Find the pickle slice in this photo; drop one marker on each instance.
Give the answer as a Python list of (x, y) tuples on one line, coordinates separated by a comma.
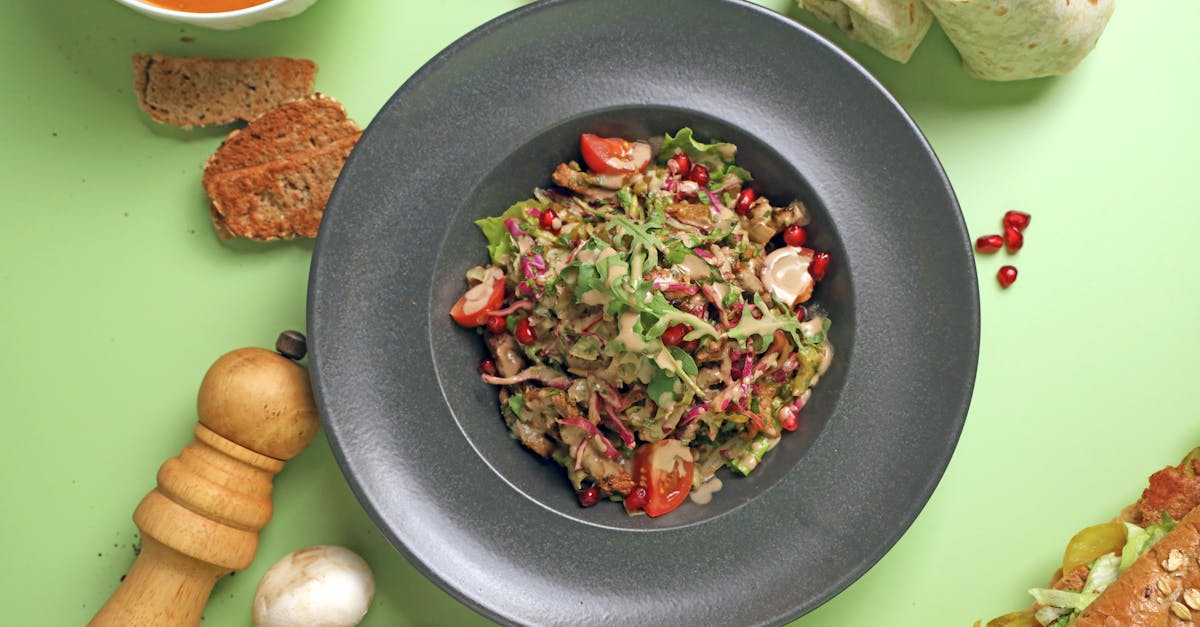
[(1091, 543)]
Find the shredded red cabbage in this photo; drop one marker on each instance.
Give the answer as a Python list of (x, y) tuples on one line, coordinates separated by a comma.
[(610, 451)]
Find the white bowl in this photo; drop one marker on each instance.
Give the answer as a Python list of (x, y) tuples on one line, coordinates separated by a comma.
[(228, 20)]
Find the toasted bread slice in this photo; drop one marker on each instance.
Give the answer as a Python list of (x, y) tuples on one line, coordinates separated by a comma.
[(292, 127), (284, 198), (198, 91)]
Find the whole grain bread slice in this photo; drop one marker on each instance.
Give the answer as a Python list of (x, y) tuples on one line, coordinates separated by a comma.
[(296, 126), (198, 91), (284, 198)]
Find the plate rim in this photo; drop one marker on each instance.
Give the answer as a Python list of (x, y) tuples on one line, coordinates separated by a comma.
[(973, 316)]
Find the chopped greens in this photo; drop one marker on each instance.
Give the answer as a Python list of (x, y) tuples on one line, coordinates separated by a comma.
[(635, 312)]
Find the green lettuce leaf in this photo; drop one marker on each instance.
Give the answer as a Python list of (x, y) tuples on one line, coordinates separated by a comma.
[(712, 156), (718, 157), (1139, 540), (500, 241)]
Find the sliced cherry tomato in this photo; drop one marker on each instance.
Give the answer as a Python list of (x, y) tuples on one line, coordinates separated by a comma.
[(612, 155), (664, 469), (472, 309)]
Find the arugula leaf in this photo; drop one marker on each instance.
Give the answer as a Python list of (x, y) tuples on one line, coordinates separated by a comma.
[(587, 280), (516, 403), (689, 364), (636, 232), (676, 252), (668, 315), (766, 326), (662, 383)]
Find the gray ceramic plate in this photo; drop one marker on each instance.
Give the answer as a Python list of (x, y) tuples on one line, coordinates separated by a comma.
[(418, 434)]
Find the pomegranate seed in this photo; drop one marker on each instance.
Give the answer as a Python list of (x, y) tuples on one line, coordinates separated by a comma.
[(674, 334), (589, 497), (789, 418), (795, 235), (679, 164), (744, 200), (1013, 240), (636, 499), (801, 313), (487, 366), (989, 243), (699, 175), (497, 324), (546, 220), (1006, 276), (689, 346), (524, 332), (819, 266), (1016, 219)]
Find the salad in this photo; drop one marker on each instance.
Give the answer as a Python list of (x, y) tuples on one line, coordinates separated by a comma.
[(648, 319)]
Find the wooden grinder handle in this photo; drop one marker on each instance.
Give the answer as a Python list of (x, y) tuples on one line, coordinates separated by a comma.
[(202, 520)]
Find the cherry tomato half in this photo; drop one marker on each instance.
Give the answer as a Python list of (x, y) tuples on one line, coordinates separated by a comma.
[(664, 469), (612, 155), (472, 309)]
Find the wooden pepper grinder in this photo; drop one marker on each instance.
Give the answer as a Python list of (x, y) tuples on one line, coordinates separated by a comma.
[(201, 522)]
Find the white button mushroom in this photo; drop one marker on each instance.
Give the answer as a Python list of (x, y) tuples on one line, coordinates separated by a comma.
[(321, 586), (785, 274)]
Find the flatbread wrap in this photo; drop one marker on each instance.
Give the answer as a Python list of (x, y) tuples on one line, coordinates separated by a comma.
[(1008, 40), (893, 27)]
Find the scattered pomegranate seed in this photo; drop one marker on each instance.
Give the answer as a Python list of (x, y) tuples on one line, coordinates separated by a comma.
[(547, 221), (1016, 219), (679, 164), (989, 243), (636, 499), (819, 266), (497, 324), (689, 346), (487, 366), (524, 332), (801, 313), (589, 497), (1013, 239), (1006, 276), (674, 334), (699, 175), (795, 235), (744, 200)]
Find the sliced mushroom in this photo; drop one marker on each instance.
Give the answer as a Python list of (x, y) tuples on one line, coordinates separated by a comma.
[(785, 275)]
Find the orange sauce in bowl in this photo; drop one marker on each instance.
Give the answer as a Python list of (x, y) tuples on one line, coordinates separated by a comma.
[(205, 6)]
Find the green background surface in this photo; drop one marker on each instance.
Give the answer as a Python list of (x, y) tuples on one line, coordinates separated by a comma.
[(116, 295)]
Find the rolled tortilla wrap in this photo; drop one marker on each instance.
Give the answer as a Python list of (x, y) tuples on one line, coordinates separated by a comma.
[(893, 27), (1007, 40)]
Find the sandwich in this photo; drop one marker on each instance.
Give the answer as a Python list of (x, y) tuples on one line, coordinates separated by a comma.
[(1140, 569)]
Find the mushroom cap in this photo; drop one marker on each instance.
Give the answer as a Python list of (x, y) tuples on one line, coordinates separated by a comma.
[(320, 586), (260, 400)]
